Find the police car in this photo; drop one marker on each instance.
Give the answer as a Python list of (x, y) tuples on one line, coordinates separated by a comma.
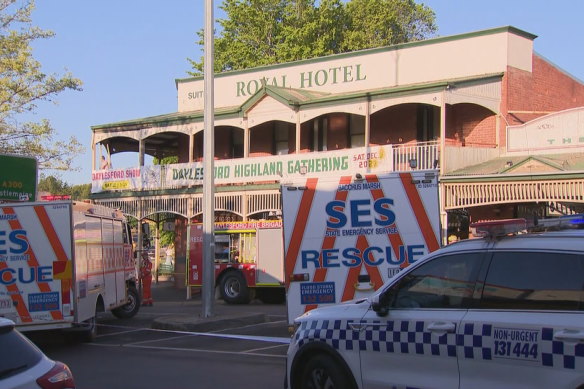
[(503, 311)]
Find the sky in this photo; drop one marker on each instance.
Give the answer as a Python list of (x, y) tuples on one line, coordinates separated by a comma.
[(128, 53)]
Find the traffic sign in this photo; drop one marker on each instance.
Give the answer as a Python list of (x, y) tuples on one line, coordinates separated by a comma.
[(18, 178)]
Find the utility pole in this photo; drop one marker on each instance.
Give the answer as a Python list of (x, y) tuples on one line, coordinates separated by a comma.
[(208, 167)]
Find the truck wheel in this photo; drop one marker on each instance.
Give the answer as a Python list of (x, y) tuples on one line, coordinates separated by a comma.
[(131, 308), (320, 372), (234, 289), (89, 333)]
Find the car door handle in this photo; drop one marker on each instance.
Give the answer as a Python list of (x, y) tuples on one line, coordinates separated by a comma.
[(442, 326), (359, 326), (569, 336), (363, 326)]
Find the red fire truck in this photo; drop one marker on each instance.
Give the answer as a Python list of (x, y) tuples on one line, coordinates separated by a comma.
[(248, 261)]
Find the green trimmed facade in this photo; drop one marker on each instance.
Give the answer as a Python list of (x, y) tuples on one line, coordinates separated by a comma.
[(462, 104)]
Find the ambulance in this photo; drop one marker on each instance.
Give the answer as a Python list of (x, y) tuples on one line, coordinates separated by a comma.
[(62, 262), (248, 260), (344, 237)]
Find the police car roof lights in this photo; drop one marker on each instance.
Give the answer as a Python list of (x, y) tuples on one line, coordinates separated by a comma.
[(498, 228), (560, 223)]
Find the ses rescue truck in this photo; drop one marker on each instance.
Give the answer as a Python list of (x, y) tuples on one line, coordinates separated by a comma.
[(248, 260), (345, 236), (62, 262)]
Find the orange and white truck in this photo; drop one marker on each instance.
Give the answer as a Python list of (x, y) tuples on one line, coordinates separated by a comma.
[(248, 260), (62, 262), (345, 236)]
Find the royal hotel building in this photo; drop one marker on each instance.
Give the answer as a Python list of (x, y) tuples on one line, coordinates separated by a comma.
[(502, 124)]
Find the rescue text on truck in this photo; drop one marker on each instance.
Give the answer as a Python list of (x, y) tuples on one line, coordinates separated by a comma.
[(62, 262)]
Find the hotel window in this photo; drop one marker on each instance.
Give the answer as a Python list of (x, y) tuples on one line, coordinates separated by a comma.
[(357, 131), (237, 141), (281, 138), (427, 118), (319, 134)]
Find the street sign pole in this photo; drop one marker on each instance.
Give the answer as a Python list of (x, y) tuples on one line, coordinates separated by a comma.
[(208, 167)]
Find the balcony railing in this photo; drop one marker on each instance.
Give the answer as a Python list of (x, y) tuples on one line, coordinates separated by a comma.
[(363, 160), (418, 156)]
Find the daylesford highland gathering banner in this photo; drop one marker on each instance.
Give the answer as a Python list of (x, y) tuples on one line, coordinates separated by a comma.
[(363, 160)]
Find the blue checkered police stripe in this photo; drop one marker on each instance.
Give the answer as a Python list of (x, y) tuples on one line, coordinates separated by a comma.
[(404, 337), (471, 341), (475, 341), (560, 354)]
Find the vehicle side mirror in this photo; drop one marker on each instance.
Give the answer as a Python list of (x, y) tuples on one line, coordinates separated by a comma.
[(381, 302)]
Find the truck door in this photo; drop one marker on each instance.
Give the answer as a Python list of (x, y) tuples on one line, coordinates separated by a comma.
[(118, 263), (95, 275), (107, 244), (82, 267), (270, 261)]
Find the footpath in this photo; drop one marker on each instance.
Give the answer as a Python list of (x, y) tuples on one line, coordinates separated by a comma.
[(173, 311)]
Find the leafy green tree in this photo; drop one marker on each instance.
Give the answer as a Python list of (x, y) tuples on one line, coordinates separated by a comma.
[(56, 186), (375, 23), (166, 160), (23, 85), (166, 237), (264, 32), (80, 192), (52, 185)]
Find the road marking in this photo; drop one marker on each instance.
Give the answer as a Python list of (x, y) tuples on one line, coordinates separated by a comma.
[(119, 332), (249, 325), (271, 339), (190, 350), (263, 348)]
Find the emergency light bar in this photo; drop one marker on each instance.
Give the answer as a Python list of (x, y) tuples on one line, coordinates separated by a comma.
[(560, 223), (498, 228)]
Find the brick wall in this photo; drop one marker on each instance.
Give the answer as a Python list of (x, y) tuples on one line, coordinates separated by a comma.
[(198, 153), (261, 140), (223, 143), (546, 89), (394, 125), (338, 131), (470, 125), (183, 148), (491, 212)]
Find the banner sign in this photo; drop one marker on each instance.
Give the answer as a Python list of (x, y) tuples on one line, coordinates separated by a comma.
[(147, 177), (247, 225), (376, 159), (560, 132), (18, 178)]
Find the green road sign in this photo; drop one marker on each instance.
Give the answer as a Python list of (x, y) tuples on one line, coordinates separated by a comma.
[(18, 178)]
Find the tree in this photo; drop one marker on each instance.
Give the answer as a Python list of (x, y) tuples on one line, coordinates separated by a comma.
[(23, 85), (166, 160), (264, 32), (56, 186), (52, 185), (375, 23), (80, 192), (166, 237)]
